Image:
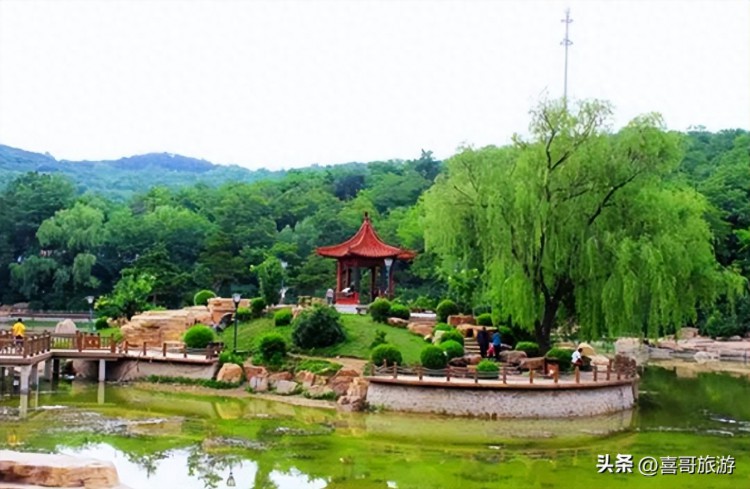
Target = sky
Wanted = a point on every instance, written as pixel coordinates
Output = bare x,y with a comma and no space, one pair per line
282,83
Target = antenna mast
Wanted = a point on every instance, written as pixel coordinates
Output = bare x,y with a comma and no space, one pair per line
566,42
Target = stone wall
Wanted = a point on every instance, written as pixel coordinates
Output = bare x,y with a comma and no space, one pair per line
130,369
501,402
219,306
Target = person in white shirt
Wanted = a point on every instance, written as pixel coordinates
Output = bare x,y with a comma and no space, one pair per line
577,357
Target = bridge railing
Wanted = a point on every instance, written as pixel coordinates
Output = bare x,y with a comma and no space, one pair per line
28,346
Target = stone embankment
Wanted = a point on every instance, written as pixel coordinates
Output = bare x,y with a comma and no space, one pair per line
19,470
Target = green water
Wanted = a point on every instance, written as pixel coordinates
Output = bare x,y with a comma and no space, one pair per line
168,440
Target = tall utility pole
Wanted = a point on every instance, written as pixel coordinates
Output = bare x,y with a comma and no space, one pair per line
566,42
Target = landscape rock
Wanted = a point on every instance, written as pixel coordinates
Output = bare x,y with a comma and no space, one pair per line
230,372
461,319
66,326
420,328
398,322
600,360
347,403
473,359
156,327
536,363
286,387
625,365
219,306
687,333
319,391
735,338
258,383
277,377
358,388
512,357
341,381
307,379
705,357
254,371
45,470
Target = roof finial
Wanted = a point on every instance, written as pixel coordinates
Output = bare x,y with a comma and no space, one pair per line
367,216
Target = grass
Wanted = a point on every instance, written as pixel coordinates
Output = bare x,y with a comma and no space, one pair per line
360,333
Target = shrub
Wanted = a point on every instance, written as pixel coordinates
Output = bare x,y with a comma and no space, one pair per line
485,319
257,305
452,349
316,327
507,336
282,317
379,339
531,348
318,367
228,357
271,345
244,314
433,357
563,357
117,336
452,335
422,303
442,327
387,353
101,323
400,311
201,297
488,366
380,310
199,336
446,308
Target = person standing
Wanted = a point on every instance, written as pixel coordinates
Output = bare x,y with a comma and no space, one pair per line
577,358
329,296
19,331
483,339
496,342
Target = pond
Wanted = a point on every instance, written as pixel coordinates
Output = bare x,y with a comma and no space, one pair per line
167,439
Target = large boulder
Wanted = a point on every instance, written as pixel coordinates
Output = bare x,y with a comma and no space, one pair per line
536,363
20,469
277,377
342,380
286,387
398,322
66,326
307,379
705,357
254,371
461,319
319,392
625,365
420,328
687,333
219,306
512,357
230,372
156,327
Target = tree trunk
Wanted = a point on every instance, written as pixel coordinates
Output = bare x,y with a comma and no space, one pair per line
543,328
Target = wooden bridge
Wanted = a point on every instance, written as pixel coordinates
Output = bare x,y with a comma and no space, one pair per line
50,348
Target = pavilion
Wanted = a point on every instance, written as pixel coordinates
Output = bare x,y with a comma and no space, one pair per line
364,250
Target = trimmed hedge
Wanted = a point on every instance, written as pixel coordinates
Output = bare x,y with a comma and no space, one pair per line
484,319
442,327
433,357
199,336
201,297
400,311
101,323
316,327
488,366
387,353
563,357
452,349
380,310
244,314
272,347
452,335
531,348
446,308
257,306
282,317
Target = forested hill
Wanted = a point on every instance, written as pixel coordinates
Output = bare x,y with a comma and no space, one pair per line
119,179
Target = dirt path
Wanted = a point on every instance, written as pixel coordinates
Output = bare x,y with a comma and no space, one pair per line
348,363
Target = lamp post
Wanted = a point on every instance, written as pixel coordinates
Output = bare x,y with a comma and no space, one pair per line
388,263
90,300
282,292
230,479
236,299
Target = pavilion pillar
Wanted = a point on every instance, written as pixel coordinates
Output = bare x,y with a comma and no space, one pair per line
390,281
339,272
373,285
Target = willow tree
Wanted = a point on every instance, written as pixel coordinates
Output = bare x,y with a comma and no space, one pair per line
578,221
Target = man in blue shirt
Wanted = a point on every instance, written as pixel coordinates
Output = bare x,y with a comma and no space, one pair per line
496,344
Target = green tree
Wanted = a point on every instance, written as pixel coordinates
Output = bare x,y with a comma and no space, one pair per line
578,221
129,297
270,276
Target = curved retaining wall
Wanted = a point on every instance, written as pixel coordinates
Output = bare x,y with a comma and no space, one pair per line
502,400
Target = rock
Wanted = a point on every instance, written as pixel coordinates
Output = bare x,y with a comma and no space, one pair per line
458,362
319,392
340,384
600,361
347,403
461,319
347,372
358,388
687,333
285,387
219,306
436,337
512,357
66,326
705,357
254,371
398,322
274,379
37,469
735,338
307,379
536,363
156,327
258,383
473,359
230,372
419,328
201,314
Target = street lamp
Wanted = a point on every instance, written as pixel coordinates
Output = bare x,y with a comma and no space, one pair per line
388,264
282,292
236,299
230,479
90,300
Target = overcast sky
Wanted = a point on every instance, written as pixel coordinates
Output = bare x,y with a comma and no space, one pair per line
290,83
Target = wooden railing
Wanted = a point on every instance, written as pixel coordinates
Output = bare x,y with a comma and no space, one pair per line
29,346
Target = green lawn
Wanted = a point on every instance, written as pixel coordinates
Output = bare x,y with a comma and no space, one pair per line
360,332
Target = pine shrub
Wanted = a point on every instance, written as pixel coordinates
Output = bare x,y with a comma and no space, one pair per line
388,353
199,336
380,310
201,297
433,357
316,327
446,308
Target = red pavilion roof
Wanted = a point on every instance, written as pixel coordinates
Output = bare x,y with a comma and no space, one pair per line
365,243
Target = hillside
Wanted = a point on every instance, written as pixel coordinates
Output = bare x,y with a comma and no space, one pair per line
119,179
